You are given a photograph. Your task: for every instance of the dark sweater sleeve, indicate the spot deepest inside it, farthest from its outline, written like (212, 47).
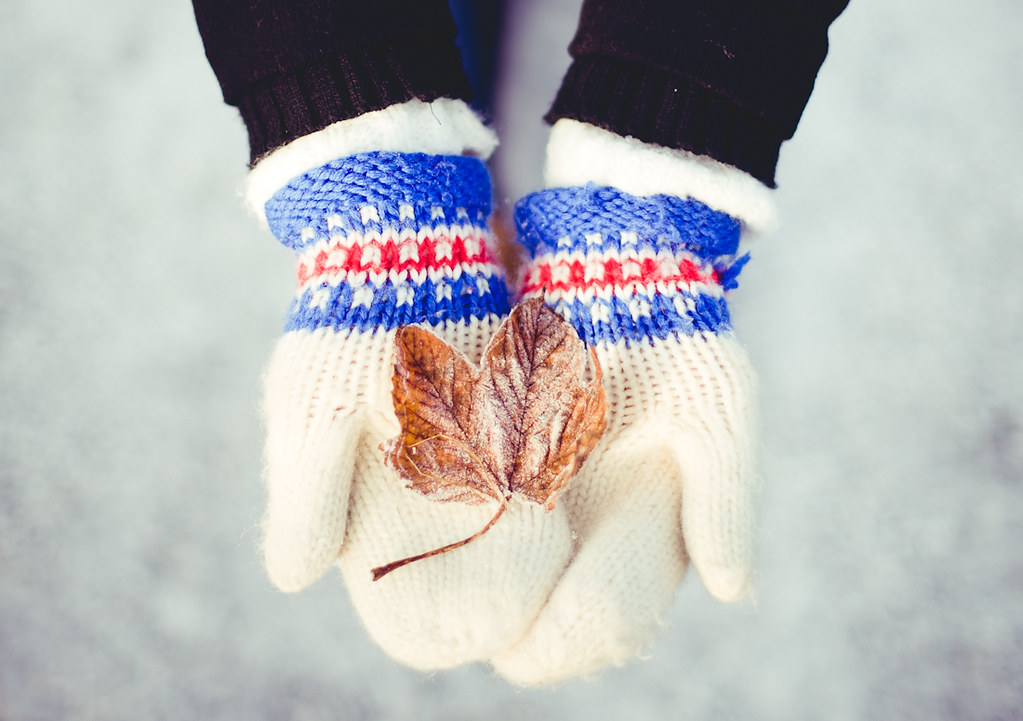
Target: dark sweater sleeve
(294, 67)
(724, 78)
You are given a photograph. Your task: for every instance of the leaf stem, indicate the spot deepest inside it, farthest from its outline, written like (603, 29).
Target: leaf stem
(381, 571)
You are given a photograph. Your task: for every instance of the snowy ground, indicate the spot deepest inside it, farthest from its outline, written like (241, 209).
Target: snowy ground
(139, 304)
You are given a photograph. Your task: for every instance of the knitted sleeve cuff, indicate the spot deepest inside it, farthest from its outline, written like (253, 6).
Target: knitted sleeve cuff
(282, 108)
(667, 109)
(293, 68)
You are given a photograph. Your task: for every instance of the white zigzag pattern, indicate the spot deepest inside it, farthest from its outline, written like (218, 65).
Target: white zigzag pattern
(635, 296)
(482, 272)
(594, 265)
(596, 240)
(387, 234)
(365, 287)
(600, 309)
(371, 214)
(408, 241)
(638, 255)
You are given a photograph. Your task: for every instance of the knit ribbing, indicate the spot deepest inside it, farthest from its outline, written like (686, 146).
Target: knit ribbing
(667, 109)
(285, 107)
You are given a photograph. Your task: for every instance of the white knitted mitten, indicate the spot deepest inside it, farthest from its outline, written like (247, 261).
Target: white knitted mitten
(385, 239)
(642, 279)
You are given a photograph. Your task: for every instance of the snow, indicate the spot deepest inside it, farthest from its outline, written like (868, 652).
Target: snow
(140, 303)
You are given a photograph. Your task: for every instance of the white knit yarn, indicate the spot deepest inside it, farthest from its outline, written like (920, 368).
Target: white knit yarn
(679, 445)
(327, 411)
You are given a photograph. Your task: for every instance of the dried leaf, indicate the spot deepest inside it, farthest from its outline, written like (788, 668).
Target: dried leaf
(520, 425)
(432, 399)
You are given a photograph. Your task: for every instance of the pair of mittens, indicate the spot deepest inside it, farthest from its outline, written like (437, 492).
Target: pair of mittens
(389, 239)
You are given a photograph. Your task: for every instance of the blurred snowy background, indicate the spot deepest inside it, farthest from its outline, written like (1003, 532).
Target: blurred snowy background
(139, 304)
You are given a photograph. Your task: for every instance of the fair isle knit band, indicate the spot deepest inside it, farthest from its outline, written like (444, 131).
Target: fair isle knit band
(622, 267)
(387, 239)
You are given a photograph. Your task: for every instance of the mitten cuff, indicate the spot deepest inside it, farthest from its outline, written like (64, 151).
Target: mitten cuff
(389, 239)
(443, 127)
(620, 267)
(578, 153)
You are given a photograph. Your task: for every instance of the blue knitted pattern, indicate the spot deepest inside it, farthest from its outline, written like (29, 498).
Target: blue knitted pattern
(622, 267)
(387, 239)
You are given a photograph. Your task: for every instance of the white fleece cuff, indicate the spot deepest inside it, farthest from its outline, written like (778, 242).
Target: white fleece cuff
(443, 127)
(578, 153)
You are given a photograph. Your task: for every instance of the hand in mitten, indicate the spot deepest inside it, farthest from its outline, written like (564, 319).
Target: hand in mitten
(386, 239)
(642, 279)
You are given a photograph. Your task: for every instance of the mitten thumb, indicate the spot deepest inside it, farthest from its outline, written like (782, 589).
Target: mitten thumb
(313, 430)
(718, 494)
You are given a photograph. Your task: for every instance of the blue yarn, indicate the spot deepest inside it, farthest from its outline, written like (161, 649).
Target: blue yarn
(728, 273)
(384, 181)
(664, 321)
(384, 312)
(543, 219)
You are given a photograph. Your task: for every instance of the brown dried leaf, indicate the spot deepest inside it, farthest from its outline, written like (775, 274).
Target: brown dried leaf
(436, 451)
(570, 444)
(522, 424)
(533, 369)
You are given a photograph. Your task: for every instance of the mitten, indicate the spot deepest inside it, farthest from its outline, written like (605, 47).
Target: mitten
(385, 239)
(642, 278)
